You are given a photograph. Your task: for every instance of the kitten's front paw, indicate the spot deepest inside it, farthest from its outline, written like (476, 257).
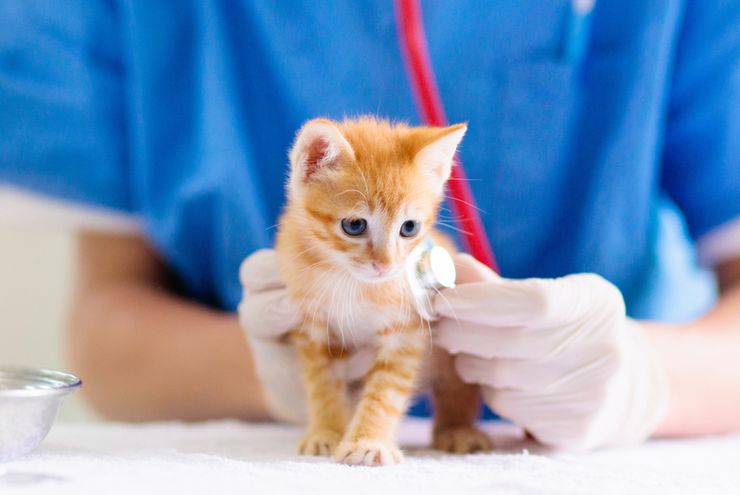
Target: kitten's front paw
(368, 453)
(461, 440)
(322, 442)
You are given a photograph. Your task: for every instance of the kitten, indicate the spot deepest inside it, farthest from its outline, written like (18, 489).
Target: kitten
(361, 195)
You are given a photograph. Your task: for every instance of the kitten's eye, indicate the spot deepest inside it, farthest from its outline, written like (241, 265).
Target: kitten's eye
(354, 226)
(410, 228)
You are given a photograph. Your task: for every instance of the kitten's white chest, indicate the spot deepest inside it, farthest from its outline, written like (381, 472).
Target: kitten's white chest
(350, 320)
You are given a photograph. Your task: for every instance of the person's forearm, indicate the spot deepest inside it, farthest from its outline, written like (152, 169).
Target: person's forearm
(144, 354)
(702, 363)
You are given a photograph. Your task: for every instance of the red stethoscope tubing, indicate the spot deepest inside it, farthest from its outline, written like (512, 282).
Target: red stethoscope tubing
(429, 102)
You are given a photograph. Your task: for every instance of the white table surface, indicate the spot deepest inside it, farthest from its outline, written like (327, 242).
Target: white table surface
(239, 458)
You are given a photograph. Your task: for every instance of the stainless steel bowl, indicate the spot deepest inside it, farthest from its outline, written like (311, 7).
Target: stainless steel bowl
(29, 400)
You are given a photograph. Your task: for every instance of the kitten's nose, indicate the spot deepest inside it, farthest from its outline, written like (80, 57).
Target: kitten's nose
(381, 268)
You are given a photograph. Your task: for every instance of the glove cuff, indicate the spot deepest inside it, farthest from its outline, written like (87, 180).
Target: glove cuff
(646, 389)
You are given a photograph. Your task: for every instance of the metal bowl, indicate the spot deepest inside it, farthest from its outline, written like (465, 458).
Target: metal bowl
(29, 400)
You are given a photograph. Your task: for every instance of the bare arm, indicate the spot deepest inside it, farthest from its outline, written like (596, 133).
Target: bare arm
(146, 354)
(702, 359)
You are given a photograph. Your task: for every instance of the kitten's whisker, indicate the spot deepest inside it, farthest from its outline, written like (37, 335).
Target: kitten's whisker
(352, 298)
(455, 220)
(338, 313)
(347, 305)
(410, 303)
(341, 314)
(465, 203)
(403, 304)
(424, 324)
(429, 323)
(312, 265)
(358, 209)
(446, 214)
(318, 303)
(317, 281)
(466, 179)
(328, 314)
(310, 247)
(364, 197)
(364, 180)
(454, 228)
(454, 314)
(314, 308)
(406, 304)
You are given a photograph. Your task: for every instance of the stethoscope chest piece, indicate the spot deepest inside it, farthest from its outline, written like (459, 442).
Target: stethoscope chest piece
(429, 269)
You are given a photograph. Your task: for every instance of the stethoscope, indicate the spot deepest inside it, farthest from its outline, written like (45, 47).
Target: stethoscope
(430, 267)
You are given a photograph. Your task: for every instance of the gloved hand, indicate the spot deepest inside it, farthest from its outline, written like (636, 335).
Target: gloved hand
(558, 357)
(267, 314)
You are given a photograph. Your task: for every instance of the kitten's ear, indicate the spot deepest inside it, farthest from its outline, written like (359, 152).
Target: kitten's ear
(318, 150)
(439, 149)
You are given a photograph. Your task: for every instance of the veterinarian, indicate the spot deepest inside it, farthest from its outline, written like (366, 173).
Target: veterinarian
(603, 151)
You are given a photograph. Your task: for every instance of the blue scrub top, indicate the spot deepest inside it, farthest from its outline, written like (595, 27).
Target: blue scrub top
(607, 151)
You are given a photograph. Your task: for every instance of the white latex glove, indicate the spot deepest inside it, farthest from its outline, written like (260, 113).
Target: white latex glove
(558, 357)
(267, 314)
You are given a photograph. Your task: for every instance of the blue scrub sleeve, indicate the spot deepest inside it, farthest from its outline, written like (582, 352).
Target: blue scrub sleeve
(62, 118)
(701, 169)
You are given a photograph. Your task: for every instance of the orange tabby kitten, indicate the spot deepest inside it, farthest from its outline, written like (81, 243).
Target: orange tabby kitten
(362, 194)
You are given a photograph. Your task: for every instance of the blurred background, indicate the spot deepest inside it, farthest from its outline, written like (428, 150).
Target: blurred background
(184, 151)
(37, 267)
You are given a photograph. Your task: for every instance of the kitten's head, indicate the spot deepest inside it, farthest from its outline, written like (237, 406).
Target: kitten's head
(366, 192)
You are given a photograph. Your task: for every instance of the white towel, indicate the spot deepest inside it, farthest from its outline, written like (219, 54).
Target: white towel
(227, 457)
